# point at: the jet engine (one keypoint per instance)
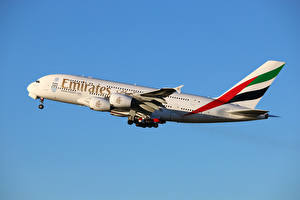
(120, 100)
(99, 104)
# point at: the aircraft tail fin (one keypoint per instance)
(249, 91)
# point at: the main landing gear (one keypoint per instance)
(41, 105)
(140, 122)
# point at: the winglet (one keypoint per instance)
(178, 89)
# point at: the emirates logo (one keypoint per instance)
(118, 100)
(98, 104)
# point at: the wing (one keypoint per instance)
(154, 100)
(162, 93)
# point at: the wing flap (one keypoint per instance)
(152, 105)
(147, 108)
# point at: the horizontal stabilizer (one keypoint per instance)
(248, 113)
(273, 116)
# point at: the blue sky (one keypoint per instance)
(67, 152)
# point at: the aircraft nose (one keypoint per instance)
(30, 87)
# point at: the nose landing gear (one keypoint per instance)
(41, 105)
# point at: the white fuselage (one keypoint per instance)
(75, 89)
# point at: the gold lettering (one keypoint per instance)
(75, 85)
(108, 90)
(82, 85)
(102, 89)
(85, 86)
(97, 88)
(63, 83)
(92, 89)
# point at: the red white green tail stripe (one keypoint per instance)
(248, 91)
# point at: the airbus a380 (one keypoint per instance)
(148, 107)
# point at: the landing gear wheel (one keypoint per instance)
(130, 122)
(143, 125)
(155, 125)
(41, 106)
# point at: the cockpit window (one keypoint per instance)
(37, 81)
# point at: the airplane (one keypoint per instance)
(149, 107)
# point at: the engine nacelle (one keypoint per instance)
(99, 104)
(120, 100)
